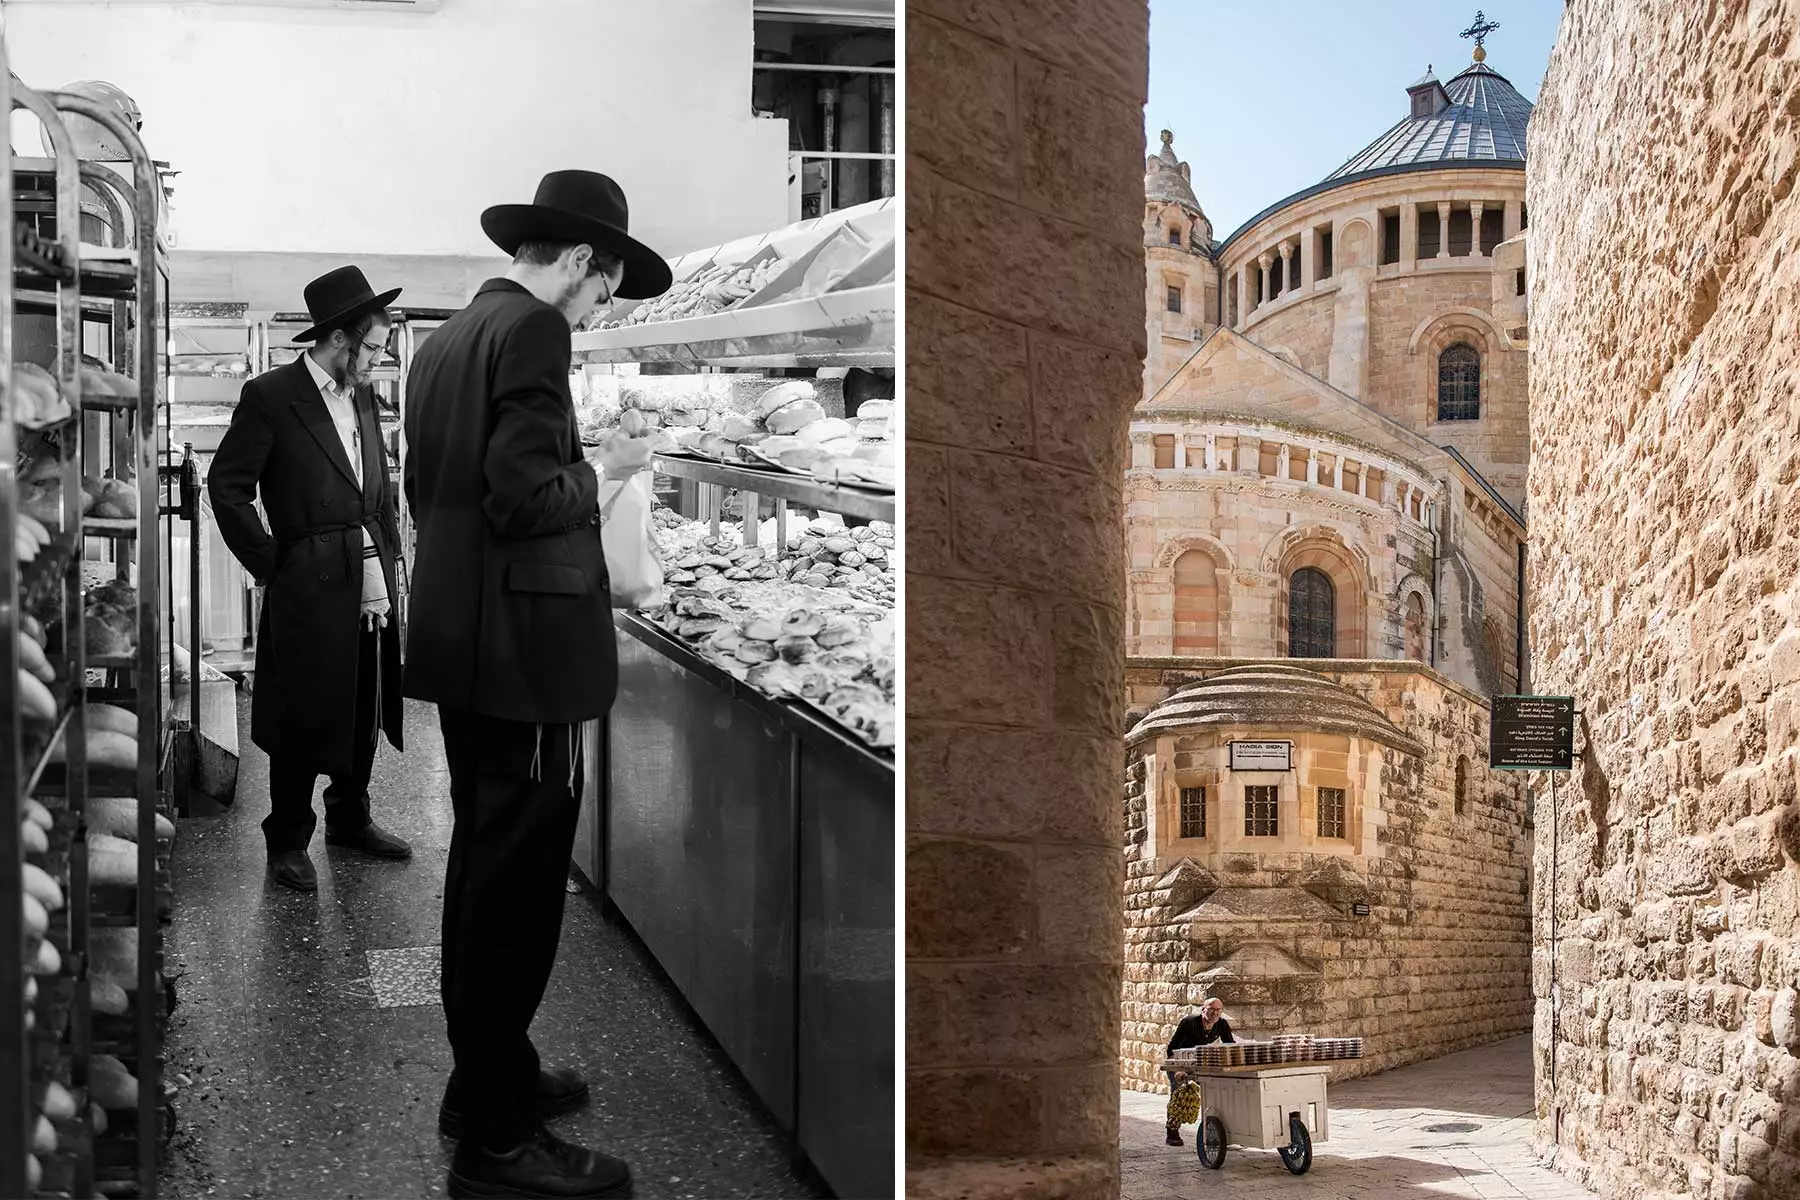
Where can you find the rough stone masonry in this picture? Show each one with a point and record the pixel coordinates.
(1025, 331)
(1665, 580)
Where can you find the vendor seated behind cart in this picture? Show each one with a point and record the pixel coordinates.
(1203, 1028)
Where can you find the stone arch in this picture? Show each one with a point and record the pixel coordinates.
(1477, 326)
(1493, 655)
(1412, 602)
(1346, 566)
(1173, 549)
(1354, 245)
(1199, 602)
(1285, 542)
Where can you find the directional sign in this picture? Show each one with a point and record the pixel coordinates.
(1532, 733)
(1262, 756)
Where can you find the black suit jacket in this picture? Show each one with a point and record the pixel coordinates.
(283, 443)
(510, 610)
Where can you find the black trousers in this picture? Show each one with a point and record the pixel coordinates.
(292, 776)
(516, 792)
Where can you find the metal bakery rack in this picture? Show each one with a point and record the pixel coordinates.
(83, 1007)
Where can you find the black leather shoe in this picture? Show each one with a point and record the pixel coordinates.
(370, 839)
(546, 1167)
(292, 869)
(1174, 1138)
(558, 1091)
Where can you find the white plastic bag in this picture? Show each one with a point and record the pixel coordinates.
(631, 564)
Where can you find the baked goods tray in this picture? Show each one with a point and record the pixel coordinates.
(853, 328)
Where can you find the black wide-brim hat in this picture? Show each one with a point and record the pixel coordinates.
(587, 208)
(339, 297)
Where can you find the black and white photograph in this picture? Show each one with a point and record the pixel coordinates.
(452, 627)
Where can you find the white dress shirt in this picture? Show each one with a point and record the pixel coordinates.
(341, 404)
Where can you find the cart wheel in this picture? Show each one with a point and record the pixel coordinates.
(1211, 1143)
(1297, 1156)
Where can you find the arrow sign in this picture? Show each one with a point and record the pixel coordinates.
(1532, 733)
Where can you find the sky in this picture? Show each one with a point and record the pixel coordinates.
(1268, 97)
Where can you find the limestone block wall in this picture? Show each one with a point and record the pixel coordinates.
(1025, 278)
(1665, 586)
(1303, 326)
(1443, 961)
(1173, 337)
(1458, 305)
(1241, 522)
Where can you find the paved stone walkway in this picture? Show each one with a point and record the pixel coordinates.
(1381, 1146)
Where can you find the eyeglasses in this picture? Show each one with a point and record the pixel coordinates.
(375, 348)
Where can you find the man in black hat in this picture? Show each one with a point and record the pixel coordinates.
(327, 656)
(510, 634)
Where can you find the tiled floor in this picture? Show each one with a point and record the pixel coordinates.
(1458, 1126)
(308, 1043)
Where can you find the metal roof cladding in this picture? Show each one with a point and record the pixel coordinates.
(1484, 123)
(1483, 126)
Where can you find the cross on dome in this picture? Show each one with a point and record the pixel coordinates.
(1479, 31)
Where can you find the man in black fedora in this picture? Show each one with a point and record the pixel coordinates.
(510, 634)
(327, 656)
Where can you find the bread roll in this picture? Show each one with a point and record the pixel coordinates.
(795, 416)
(831, 429)
(784, 394)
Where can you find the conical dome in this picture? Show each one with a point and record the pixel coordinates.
(1166, 179)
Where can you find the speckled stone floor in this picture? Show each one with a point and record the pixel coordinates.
(308, 1043)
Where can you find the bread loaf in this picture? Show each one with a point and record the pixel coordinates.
(794, 417)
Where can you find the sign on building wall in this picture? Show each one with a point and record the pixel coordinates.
(1262, 756)
(1532, 733)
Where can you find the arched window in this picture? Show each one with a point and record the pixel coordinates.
(1415, 627)
(1196, 605)
(1459, 383)
(1175, 235)
(1312, 614)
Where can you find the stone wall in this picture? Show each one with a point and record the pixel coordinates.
(1025, 281)
(1442, 962)
(1403, 374)
(1302, 326)
(1665, 584)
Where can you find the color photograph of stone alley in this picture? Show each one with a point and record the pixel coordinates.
(1353, 600)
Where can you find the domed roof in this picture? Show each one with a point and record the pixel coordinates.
(1166, 179)
(1478, 119)
(1483, 122)
(1276, 696)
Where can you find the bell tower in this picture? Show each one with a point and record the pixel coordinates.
(1181, 295)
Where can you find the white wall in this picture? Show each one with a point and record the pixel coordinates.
(349, 133)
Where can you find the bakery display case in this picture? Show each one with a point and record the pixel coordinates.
(741, 818)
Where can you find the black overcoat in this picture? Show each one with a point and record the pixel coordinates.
(510, 611)
(309, 560)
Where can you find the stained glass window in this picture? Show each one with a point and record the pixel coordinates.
(1459, 383)
(1312, 614)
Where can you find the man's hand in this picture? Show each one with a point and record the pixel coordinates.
(618, 457)
(375, 614)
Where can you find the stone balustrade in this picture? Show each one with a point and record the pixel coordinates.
(1225, 448)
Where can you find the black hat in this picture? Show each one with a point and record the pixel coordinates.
(585, 208)
(338, 297)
